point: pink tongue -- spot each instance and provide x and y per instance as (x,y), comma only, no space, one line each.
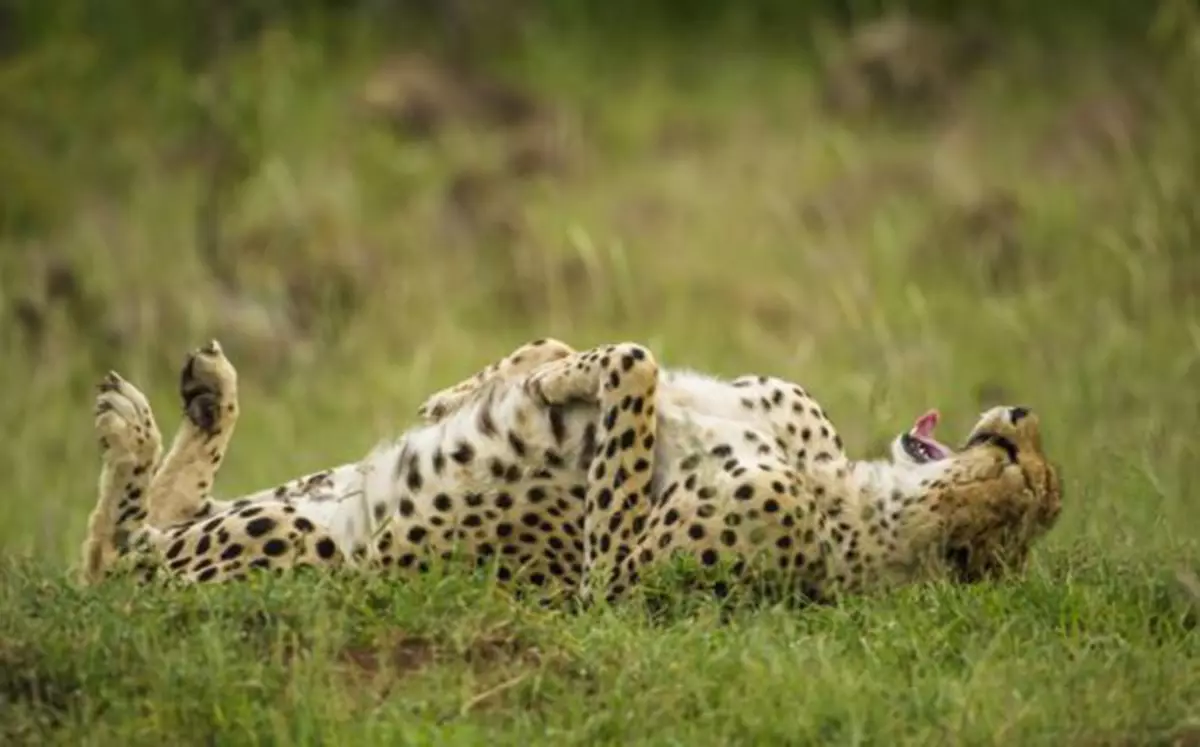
(923,429)
(925,425)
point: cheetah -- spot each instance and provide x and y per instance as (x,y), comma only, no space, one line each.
(580,472)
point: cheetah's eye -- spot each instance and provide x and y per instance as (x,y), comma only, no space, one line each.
(977,439)
(994,439)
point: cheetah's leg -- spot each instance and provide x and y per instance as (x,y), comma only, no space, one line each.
(519,362)
(181,489)
(621,380)
(131,445)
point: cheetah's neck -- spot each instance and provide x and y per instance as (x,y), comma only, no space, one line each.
(879,517)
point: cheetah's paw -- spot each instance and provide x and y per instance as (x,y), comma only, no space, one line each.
(562,382)
(124,422)
(208,387)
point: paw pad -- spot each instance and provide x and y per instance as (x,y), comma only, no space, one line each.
(207,384)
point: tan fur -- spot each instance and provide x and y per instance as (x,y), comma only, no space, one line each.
(578,471)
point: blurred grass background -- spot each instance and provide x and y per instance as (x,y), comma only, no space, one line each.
(899,205)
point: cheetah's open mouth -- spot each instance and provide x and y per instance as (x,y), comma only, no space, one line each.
(919,442)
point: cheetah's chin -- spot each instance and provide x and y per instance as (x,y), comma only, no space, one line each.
(919,442)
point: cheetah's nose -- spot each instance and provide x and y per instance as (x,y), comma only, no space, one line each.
(1016,414)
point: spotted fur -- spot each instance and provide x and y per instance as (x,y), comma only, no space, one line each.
(577,472)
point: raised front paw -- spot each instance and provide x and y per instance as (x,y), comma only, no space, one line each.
(564,381)
(208,386)
(125,423)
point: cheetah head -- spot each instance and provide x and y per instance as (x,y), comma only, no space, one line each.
(998,495)
(991,498)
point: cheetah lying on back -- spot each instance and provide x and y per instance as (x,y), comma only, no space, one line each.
(578,471)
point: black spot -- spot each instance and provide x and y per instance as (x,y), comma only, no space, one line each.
(417,534)
(487,425)
(610,418)
(231,552)
(696,531)
(175,549)
(628,438)
(587,446)
(619,477)
(407,508)
(709,557)
(274,547)
(442,502)
(260,526)
(326,548)
(558,427)
(463,453)
(206,575)
(744,492)
(414,479)
(203,545)
(516,443)
(728,537)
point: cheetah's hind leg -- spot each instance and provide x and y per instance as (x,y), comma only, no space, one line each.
(182,487)
(622,381)
(516,364)
(131,445)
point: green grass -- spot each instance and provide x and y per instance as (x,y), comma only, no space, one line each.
(704,204)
